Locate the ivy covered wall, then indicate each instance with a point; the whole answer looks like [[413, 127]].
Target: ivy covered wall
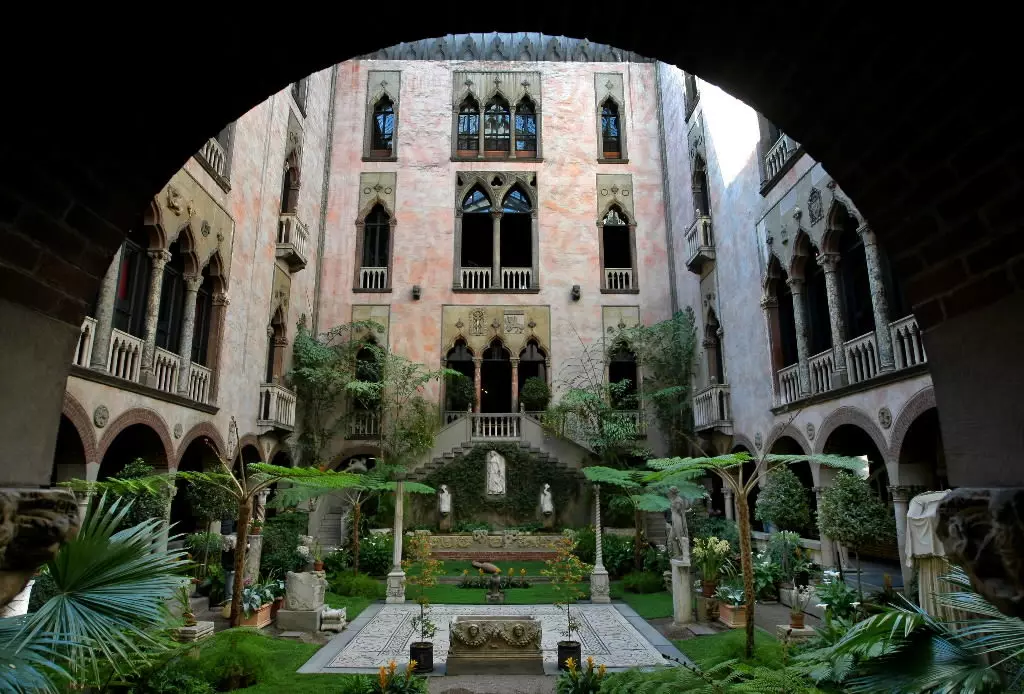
[[525, 476]]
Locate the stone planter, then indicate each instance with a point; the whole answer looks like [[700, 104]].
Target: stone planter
[[708, 588], [258, 619], [423, 653], [732, 616], [276, 605]]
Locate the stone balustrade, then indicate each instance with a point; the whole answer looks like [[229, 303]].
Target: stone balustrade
[[292, 240], [453, 416], [363, 425], [373, 278], [862, 357], [476, 277], [516, 278], [700, 243], [618, 278], [165, 367], [822, 367], [789, 384], [907, 342], [711, 407], [199, 378], [83, 349], [125, 357], [778, 155], [495, 426], [277, 407], [214, 155]]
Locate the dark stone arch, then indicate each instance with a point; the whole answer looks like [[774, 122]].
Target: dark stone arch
[[135, 416], [922, 401], [203, 429], [856, 417], [78, 417]]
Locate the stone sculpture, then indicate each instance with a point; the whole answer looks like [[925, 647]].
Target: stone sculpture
[[678, 535], [547, 504], [495, 473], [333, 620], [445, 500], [487, 645]]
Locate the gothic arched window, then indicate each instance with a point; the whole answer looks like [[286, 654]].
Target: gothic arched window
[[469, 126], [497, 120], [526, 127], [383, 126], [611, 136]]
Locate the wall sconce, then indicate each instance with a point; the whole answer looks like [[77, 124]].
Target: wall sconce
[[576, 292], [416, 292]]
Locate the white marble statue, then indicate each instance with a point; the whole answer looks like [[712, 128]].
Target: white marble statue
[[495, 473], [445, 500], [678, 534], [547, 505]]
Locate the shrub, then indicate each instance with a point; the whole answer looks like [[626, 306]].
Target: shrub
[[461, 393], [280, 544], [337, 561], [656, 561], [585, 545], [470, 526], [535, 394], [42, 590], [643, 582], [180, 676], [351, 584], [234, 661], [617, 554], [145, 505], [375, 554], [783, 501]]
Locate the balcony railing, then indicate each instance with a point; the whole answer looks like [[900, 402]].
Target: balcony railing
[[476, 277], [700, 244], [822, 367], [453, 416], [277, 407], [711, 408], [495, 426], [516, 278], [363, 425], [861, 358], [292, 241], [213, 153], [199, 378], [165, 368], [618, 278], [789, 384], [907, 344], [125, 357], [373, 278], [83, 350], [778, 155]]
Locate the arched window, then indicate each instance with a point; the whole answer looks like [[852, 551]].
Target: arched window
[[532, 363], [469, 127], [383, 126], [701, 197], [516, 243], [611, 138], [526, 128], [623, 376], [172, 301], [713, 350], [477, 247], [203, 319], [276, 341], [853, 269], [476, 201], [132, 285], [460, 392], [497, 121], [617, 252], [375, 238], [496, 379], [290, 184]]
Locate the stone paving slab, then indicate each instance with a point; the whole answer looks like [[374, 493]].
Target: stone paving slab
[[613, 634]]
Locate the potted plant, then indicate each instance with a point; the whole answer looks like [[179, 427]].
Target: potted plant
[[711, 556], [535, 394], [185, 603], [733, 608], [428, 569], [581, 680], [276, 586], [256, 602], [318, 556], [256, 527], [801, 596], [565, 572]]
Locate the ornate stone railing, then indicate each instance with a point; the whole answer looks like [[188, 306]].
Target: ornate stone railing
[[277, 406], [907, 342], [199, 378], [822, 366], [373, 278], [363, 425], [711, 407], [495, 426], [476, 277], [165, 367], [83, 350], [700, 243], [777, 156], [292, 240], [214, 155], [125, 357], [862, 357], [453, 416], [516, 277], [618, 278], [789, 384]]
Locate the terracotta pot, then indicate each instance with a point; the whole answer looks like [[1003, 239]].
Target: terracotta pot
[[259, 619], [190, 619], [276, 605], [733, 616], [796, 621], [569, 649], [255, 531], [708, 588], [423, 653], [318, 566]]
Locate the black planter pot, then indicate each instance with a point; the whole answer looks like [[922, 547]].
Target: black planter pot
[[423, 653], [569, 649], [801, 579]]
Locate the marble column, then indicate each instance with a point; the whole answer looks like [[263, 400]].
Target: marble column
[[496, 250], [105, 314], [770, 310], [828, 550], [730, 507], [534, 247], [515, 385], [829, 262], [188, 327], [84, 499], [477, 362], [396, 578], [682, 590], [879, 300], [600, 587], [796, 286], [900, 502], [158, 259]]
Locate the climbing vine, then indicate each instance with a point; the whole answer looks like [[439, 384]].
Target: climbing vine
[[525, 475]]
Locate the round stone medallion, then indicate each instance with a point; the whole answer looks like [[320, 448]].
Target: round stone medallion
[[177, 430], [100, 416], [758, 440], [885, 417], [810, 431]]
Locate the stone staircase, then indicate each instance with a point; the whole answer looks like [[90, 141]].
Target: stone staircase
[[328, 532], [422, 471]]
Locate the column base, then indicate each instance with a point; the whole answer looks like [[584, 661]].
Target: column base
[[600, 586], [396, 588], [682, 592], [840, 378]]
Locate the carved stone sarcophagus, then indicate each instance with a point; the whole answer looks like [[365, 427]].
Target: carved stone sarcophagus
[[495, 645]]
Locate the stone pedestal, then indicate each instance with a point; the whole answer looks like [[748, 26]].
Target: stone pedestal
[[495, 646], [197, 632], [445, 524], [600, 586], [782, 630], [333, 620], [300, 620], [549, 521], [396, 587], [682, 592], [304, 591]]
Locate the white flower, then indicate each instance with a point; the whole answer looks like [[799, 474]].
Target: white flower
[[854, 604], [822, 605]]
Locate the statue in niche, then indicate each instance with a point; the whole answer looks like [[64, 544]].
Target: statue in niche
[[678, 535], [495, 473], [444, 501], [547, 505]]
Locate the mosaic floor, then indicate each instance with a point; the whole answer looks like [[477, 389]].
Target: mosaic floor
[[606, 634]]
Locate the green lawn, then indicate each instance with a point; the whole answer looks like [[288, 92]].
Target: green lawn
[[455, 567], [708, 651], [647, 605], [354, 604], [541, 594]]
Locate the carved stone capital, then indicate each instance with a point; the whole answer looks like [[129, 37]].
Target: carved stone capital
[[769, 302], [796, 284], [34, 523], [221, 299], [983, 531], [901, 493], [193, 282], [829, 262], [158, 257]]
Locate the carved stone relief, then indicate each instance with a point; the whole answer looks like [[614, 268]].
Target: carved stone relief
[[376, 187], [514, 325], [616, 318], [496, 184], [615, 189], [513, 86], [100, 416], [378, 313], [184, 203]]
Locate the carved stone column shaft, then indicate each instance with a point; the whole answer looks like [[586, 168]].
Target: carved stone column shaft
[[105, 314], [158, 259], [802, 341], [829, 262], [600, 586], [496, 250], [879, 300], [477, 363], [188, 327]]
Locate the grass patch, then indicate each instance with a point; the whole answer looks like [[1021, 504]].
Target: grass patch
[[541, 594], [708, 651], [455, 567], [354, 604], [647, 605]]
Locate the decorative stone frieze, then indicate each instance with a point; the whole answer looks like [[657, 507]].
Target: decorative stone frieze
[[185, 203], [518, 46], [479, 325], [616, 318], [615, 189], [378, 313]]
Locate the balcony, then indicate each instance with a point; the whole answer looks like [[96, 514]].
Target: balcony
[[711, 409], [165, 368], [700, 244], [213, 154], [373, 278], [277, 407], [618, 279], [363, 425], [83, 350], [292, 241], [516, 278], [199, 378], [513, 279], [124, 360], [475, 278]]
